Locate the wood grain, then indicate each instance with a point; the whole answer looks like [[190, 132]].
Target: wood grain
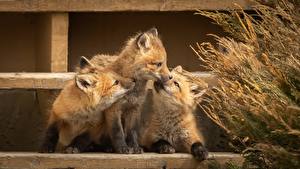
[[118, 5], [34, 80], [90, 161]]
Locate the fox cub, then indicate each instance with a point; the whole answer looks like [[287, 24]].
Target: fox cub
[[172, 125], [76, 118], [143, 58]]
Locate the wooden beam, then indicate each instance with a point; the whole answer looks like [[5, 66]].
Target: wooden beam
[[118, 5], [34, 80], [57, 80], [93, 161]]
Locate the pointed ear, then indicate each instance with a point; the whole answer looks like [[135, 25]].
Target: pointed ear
[[197, 90], [199, 93], [178, 69], [84, 81], [84, 62], [143, 42], [153, 31]]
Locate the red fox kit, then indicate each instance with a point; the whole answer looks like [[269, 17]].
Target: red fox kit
[[143, 58], [172, 125], [76, 117]]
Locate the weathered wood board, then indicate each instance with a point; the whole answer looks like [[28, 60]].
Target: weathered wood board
[[22, 160], [34, 80], [118, 5]]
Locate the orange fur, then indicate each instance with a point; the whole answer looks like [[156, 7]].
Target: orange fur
[[79, 106], [143, 58], [172, 118]]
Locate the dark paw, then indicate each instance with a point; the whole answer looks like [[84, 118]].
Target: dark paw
[[199, 151], [137, 150], [166, 149], [71, 150], [124, 150], [47, 149]]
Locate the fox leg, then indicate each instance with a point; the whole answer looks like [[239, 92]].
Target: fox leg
[[116, 132], [162, 147], [79, 144], [199, 151], [132, 124], [51, 138], [194, 145]]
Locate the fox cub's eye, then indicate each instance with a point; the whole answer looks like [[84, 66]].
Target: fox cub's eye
[[158, 64], [176, 84], [116, 82]]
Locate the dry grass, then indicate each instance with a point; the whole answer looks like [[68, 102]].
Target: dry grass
[[258, 99]]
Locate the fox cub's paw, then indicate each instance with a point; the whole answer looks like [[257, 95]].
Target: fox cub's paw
[[137, 150], [163, 147], [71, 150], [124, 150], [166, 149], [199, 151]]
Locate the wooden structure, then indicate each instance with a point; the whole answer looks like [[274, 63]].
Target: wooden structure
[[41, 41], [93, 161]]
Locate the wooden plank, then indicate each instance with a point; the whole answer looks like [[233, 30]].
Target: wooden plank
[[52, 42], [34, 80], [22, 160], [57, 80], [118, 5]]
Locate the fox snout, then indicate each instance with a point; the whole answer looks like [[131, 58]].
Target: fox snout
[[165, 74], [166, 78]]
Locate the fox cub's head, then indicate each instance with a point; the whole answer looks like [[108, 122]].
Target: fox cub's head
[[103, 87], [150, 61], [179, 91]]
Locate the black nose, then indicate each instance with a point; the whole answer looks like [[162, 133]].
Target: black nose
[[170, 77]]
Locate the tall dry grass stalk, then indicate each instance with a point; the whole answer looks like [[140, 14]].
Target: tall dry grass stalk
[[258, 97]]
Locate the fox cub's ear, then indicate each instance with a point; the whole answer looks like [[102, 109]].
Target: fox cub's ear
[[84, 81], [84, 62], [153, 31], [178, 69], [197, 90], [143, 42]]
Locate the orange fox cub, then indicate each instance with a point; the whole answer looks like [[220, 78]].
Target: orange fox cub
[[172, 125], [143, 58], [76, 118]]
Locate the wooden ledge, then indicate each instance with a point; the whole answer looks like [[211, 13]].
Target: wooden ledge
[[57, 80], [34, 80], [117, 5], [90, 161]]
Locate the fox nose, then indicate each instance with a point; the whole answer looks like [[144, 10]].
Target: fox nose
[[170, 77]]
